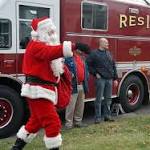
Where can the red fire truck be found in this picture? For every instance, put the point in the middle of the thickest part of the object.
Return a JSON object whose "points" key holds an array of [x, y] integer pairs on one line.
{"points": [[126, 24]]}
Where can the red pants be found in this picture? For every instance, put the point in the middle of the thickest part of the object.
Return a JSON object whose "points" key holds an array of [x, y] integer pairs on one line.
{"points": [[43, 115]]}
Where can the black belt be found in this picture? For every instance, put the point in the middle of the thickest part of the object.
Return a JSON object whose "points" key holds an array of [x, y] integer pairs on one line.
{"points": [[32, 79]]}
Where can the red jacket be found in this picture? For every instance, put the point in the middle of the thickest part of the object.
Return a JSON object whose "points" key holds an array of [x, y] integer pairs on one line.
{"points": [[79, 68], [37, 60]]}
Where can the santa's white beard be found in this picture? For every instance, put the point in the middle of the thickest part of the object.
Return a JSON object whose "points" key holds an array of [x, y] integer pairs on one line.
{"points": [[53, 39], [50, 40]]}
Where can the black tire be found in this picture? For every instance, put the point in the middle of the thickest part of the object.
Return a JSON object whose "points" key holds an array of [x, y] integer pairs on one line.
{"points": [[11, 111], [131, 93]]}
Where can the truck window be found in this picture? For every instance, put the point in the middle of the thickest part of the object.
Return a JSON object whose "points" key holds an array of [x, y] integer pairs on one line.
{"points": [[94, 16], [26, 14], [5, 33]]}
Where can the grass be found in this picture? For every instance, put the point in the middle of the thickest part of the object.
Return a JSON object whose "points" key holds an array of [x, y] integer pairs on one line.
{"points": [[126, 133]]}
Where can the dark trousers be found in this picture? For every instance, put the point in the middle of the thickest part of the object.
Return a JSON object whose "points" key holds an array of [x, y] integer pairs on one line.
{"points": [[103, 98]]}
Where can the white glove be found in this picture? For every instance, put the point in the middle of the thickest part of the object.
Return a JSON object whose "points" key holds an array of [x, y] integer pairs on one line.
{"points": [[57, 66]]}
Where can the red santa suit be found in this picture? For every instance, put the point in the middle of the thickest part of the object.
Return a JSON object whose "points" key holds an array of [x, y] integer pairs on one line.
{"points": [[43, 65]]}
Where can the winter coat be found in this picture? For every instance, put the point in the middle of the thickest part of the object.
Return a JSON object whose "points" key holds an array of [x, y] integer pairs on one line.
{"points": [[101, 62], [70, 62]]}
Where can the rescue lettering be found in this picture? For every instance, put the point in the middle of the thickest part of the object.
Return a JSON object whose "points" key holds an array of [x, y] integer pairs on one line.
{"points": [[131, 21]]}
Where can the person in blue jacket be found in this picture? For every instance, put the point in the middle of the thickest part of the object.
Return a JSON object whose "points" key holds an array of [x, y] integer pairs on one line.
{"points": [[79, 70]]}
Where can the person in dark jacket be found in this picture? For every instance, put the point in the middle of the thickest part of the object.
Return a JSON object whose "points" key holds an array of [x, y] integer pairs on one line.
{"points": [[75, 109], [102, 66]]}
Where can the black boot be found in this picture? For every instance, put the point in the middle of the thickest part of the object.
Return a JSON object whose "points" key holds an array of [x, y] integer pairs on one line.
{"points": [[19, 144], [54, 148]]}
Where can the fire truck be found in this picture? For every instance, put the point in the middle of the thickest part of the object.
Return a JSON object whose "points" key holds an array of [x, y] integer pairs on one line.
{"points": [[125, 23]]}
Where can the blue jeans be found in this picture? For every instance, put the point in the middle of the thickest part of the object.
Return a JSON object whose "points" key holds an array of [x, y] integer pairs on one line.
{"points": [[103, 98]]}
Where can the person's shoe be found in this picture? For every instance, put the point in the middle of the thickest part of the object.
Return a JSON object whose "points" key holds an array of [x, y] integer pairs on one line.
{"points": [[19, 144], [54, 148], [109, 119], [68, 127], [80, 125], [97, 121]]}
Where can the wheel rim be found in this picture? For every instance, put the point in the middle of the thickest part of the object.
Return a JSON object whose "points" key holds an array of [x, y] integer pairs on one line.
{"points": [[6, 112], [133, 94]]}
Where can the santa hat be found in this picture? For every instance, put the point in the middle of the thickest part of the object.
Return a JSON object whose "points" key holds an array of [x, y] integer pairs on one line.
{"points": [[41, 23]]}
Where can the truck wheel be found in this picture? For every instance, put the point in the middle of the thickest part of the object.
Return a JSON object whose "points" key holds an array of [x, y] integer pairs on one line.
{"points": [[11, 111], [131, 93]]}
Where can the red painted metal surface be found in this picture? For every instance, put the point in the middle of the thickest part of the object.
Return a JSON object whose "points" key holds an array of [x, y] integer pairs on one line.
{"points": [[11, 63], [121, 39]]}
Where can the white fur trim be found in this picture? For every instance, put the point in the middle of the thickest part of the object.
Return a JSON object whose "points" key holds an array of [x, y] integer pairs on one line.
{"points": [[34, 35], [57, 66], [35, 92], [46, 23], [53, 142], [25, 135], [67, 49]]}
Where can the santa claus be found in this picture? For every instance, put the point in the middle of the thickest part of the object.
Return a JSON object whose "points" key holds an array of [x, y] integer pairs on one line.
{"points": [[42, 66]]}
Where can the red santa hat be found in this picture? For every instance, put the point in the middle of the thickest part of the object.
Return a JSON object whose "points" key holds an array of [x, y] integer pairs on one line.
{"points": [[41, 23]]}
